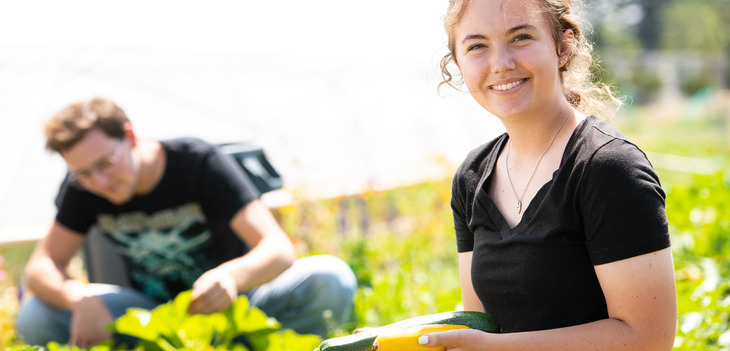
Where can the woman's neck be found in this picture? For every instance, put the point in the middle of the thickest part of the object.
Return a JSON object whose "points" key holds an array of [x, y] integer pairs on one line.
{"points": [[529, 137]]}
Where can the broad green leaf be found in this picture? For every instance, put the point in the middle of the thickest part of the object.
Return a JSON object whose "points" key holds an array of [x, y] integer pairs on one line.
{"points": [[135, 323], [233, 347], [182, 302], [198, 330], [288, 340], [252, 319]]}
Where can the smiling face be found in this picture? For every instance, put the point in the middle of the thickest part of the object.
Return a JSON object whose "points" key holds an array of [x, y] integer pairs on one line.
{"points": [[508, 57], [103, 165]]}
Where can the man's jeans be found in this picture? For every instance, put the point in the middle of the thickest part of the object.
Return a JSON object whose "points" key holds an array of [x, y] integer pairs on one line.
{"points": [[297, 298]]}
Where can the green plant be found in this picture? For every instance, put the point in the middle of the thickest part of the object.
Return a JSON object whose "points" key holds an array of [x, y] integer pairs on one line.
{"points": [[698, 215], [170, 327], [703, 305]]}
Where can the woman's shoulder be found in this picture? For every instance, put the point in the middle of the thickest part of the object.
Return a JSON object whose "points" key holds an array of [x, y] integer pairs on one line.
{"points": [[606, 152], [477, 158], [600, 141], [478, 164]]}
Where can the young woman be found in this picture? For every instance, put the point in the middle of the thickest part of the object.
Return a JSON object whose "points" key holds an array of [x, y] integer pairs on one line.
{"points": [[560, 222]]}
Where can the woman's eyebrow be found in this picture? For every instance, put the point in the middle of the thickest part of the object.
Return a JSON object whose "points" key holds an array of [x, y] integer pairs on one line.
{"points": [[473, 37], [510, 31], [521, 27]]}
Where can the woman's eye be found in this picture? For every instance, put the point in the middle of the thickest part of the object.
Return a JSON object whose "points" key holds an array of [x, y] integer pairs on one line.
{"points": [[474, 47], [522, 37]]}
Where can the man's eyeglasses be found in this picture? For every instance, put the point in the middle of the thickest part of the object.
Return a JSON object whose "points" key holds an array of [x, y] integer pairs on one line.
{"points": [[101, 165]]}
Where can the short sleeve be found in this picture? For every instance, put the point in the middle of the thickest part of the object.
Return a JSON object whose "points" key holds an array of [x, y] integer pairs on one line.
{"points": [[622, 204], [73, 208], [227, 188], [477, 165], [464, 235]]}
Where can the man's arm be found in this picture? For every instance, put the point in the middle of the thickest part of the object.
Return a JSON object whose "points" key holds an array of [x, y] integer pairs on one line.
{"points": [[47, 278], [46, 274], [272, 252]]}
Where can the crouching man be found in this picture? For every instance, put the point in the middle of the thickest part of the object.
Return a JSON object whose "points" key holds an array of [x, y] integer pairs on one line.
{"points": [[184, 216]]}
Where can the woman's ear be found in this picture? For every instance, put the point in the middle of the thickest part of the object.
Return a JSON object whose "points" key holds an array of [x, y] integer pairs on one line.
{"points": [[565, 47]]}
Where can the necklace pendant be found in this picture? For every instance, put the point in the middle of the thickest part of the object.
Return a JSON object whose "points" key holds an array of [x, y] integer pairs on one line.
{"points": [[519, 206]]}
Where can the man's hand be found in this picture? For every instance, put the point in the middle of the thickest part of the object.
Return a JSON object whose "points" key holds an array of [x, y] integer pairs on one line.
{"points": [[214, 291], [88, 322]]}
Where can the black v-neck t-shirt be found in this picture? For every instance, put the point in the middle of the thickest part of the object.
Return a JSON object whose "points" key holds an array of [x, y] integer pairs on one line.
{"points": [[603, 204]]}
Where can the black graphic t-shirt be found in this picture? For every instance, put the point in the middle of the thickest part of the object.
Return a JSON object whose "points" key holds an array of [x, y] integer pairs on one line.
{"points": [[180, 229]]}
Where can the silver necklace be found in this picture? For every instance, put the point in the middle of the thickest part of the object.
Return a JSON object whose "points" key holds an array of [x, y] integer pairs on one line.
{"points": [[506, 161]]}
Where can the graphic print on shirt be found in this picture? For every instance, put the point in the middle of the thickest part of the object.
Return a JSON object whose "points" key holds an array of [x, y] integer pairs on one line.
{"points": [[163, 247]]}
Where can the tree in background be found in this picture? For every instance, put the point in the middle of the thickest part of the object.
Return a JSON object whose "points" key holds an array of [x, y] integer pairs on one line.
{"points": [[660, 24], [636, 37], [696, 25], [623, 24]]}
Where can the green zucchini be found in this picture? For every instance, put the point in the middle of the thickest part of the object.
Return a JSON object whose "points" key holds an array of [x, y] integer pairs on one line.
{"points": [[363, 341]]}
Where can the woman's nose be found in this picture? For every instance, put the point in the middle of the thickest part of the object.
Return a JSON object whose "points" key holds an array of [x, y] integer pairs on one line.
{"points": [[502, 60]]}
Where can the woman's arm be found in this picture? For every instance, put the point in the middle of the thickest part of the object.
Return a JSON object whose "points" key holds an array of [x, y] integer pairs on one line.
{"points": [[642, 307], [468, 295]]}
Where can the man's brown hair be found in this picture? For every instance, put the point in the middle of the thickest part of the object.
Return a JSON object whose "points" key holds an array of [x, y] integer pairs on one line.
{"points": [[71, 124]]}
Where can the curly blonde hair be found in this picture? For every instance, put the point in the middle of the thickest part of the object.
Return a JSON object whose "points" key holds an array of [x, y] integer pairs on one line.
{"points": [[576, 74]]}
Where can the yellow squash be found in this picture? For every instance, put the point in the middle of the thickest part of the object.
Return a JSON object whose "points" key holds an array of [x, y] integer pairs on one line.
{"points": [[407, 339]]}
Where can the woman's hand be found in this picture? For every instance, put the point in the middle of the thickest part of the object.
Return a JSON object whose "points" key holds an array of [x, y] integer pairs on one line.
{"points": [[457, 340]]}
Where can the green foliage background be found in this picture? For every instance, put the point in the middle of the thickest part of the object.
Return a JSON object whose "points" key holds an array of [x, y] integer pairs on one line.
{"points": [[401, 246]]}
